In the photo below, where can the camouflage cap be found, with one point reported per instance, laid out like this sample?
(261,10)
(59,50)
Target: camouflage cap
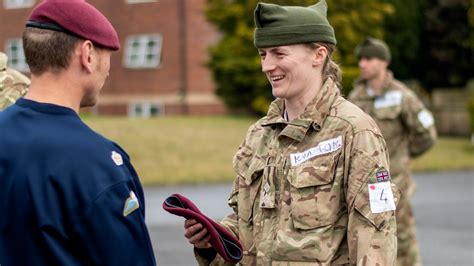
(284,25)
(75,17)
(372,47)
(3,61)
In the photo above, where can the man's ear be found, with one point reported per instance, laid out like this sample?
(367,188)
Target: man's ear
(86,49)
(320,55)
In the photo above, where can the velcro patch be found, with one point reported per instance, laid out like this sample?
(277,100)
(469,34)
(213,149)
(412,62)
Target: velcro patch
(425,118)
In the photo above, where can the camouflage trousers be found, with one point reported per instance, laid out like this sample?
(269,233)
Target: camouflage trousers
(408,253)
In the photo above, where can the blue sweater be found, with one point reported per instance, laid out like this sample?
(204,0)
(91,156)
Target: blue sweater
(68,196)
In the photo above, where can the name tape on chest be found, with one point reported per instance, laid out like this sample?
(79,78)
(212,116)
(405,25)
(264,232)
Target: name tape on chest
(391,98)
(425,118)
(323,147)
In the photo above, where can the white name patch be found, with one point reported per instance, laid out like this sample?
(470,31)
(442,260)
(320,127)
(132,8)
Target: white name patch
(425,118)
(391,98)
(381,197)
(323,147)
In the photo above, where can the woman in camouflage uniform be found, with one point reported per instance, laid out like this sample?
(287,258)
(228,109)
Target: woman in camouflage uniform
(313,183)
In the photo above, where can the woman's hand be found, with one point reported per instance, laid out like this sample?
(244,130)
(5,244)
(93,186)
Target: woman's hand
(196,234)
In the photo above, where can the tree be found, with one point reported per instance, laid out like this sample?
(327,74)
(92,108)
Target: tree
(235,62)
(353,21)
(403,37)
(447,48)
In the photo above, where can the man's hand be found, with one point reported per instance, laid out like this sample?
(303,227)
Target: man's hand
(196,234)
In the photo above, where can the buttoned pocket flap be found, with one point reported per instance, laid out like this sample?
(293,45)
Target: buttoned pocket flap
(249,188)
(315,172)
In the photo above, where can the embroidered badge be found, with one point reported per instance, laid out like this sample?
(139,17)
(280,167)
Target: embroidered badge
(131,204)
(382,175)
(117,158)
(323,147)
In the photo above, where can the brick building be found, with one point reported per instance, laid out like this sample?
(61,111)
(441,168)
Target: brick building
(160,68)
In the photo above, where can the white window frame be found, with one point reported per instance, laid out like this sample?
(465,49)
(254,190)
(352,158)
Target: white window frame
(12,4)
(16,55)
(140,1)
(139,54)
(146,109)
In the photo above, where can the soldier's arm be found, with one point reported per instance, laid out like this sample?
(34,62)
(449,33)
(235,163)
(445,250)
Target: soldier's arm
(371,231)
(210,256)
(354,93)
(419,122)
(108,235)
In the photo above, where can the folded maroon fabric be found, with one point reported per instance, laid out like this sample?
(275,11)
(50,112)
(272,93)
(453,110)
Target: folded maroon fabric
(222,241)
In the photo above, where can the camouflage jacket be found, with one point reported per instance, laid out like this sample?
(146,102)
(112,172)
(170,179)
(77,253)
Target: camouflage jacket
(13,85)
(301,195)
(407,126)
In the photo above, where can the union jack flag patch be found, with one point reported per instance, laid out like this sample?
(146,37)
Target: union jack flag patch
(382,175)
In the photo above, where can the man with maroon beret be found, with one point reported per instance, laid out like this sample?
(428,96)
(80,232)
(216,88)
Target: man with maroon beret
(68,195)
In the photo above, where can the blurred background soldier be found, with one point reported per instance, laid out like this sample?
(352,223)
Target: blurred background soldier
(13,84)
(407,126)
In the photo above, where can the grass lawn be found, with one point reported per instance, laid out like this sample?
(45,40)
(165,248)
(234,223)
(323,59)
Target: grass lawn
(174,150)
(448,153)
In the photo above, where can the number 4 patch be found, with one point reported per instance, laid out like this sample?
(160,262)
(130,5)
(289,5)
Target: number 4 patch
(381,197)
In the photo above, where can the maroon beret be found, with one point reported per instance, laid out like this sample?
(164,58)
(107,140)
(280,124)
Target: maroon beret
(222,241)
(75,17)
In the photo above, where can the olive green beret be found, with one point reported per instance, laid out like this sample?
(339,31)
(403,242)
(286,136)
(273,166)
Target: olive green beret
(284,25)
(3,61)
(372,47)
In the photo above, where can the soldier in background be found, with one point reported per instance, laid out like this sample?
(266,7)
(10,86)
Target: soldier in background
(312,184)
(13,84)
(407,126)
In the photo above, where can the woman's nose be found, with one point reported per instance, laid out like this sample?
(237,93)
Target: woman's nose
(267,64)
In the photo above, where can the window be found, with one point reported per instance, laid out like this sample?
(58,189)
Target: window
(10,4)
(145,109)
(140,1)
(143,51)
(16,57)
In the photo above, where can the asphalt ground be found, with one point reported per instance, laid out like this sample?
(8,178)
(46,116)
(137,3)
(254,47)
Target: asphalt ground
(443,206)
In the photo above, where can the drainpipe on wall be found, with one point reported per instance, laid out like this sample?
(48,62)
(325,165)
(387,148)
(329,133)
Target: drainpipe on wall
(184,56)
